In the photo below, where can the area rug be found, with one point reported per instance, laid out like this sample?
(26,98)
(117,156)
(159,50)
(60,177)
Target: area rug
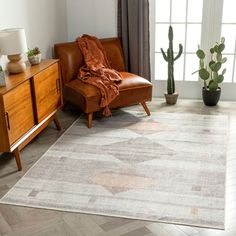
(169,167)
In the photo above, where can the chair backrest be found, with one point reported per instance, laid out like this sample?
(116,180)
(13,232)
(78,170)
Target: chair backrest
(71,58)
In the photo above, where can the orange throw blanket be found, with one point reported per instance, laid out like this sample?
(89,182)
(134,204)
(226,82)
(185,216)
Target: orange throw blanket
(97,71)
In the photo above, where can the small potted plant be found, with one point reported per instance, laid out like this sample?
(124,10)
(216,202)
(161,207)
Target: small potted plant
(210,72)
(171,96)
(34,56)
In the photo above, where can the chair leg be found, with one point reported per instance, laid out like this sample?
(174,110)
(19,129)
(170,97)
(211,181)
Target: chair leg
(65,105)
(90,118)
(145,108)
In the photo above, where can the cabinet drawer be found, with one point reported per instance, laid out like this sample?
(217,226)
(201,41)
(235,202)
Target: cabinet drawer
(18,111)
(47,91)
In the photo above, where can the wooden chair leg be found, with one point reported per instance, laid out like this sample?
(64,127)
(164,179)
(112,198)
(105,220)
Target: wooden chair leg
(57,123)
(90,118)
(145,108)
(65,105)
(17,157)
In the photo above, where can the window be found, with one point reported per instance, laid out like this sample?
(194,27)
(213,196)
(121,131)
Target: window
(194,22)
(229,32)
(185,16)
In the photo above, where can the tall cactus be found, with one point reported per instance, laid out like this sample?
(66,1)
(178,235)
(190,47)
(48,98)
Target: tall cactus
(169,57)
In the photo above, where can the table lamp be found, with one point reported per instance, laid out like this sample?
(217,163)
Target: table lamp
(13,44)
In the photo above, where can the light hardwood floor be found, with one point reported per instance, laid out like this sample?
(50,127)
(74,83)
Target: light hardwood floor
(36,222)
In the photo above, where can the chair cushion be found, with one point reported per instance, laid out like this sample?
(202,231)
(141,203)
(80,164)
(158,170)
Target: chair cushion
(86,90)
(132,81)
(133,89)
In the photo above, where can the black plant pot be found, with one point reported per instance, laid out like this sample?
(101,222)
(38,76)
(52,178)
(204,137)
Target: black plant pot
(211,98)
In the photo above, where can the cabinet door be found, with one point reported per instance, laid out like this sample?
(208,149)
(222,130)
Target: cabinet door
(47,91)
(18,111)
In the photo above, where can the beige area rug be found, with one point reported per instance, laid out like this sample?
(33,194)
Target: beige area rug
(169,167)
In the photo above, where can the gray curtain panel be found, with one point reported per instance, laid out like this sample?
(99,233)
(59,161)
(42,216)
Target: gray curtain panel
(133,28)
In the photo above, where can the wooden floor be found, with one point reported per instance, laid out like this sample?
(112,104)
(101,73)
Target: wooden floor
(35,222)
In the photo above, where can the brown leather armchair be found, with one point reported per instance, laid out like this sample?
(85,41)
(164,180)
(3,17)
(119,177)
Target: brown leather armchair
(133,88)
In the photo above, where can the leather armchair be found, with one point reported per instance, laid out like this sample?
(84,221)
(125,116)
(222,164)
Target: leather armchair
(133,88)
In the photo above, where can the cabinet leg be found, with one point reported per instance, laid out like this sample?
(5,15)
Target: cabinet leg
(57,123)
(17,157)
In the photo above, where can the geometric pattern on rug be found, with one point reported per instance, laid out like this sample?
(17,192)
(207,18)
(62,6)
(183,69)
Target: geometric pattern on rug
(169,167)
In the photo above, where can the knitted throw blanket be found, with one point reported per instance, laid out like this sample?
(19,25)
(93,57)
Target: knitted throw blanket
(97,71)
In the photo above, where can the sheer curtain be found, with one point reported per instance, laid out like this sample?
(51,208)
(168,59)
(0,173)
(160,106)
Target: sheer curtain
(133,28)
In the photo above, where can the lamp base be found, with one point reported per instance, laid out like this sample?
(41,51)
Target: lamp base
(15,64)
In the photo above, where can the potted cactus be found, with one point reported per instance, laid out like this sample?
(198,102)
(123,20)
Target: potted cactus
(171,95)
(210,72)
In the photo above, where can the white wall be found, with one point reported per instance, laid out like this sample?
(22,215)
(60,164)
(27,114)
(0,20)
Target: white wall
(95,17)
(44,21)
(47,22)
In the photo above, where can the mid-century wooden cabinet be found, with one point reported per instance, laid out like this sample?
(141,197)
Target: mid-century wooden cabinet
(28,103)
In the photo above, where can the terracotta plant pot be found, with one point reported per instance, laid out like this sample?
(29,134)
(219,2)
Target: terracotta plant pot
(171,99)
(211,98)
(34,60)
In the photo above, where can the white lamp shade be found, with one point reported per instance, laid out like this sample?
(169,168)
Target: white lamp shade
(12,41)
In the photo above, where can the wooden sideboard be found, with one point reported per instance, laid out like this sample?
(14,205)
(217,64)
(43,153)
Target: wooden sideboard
(28,103)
